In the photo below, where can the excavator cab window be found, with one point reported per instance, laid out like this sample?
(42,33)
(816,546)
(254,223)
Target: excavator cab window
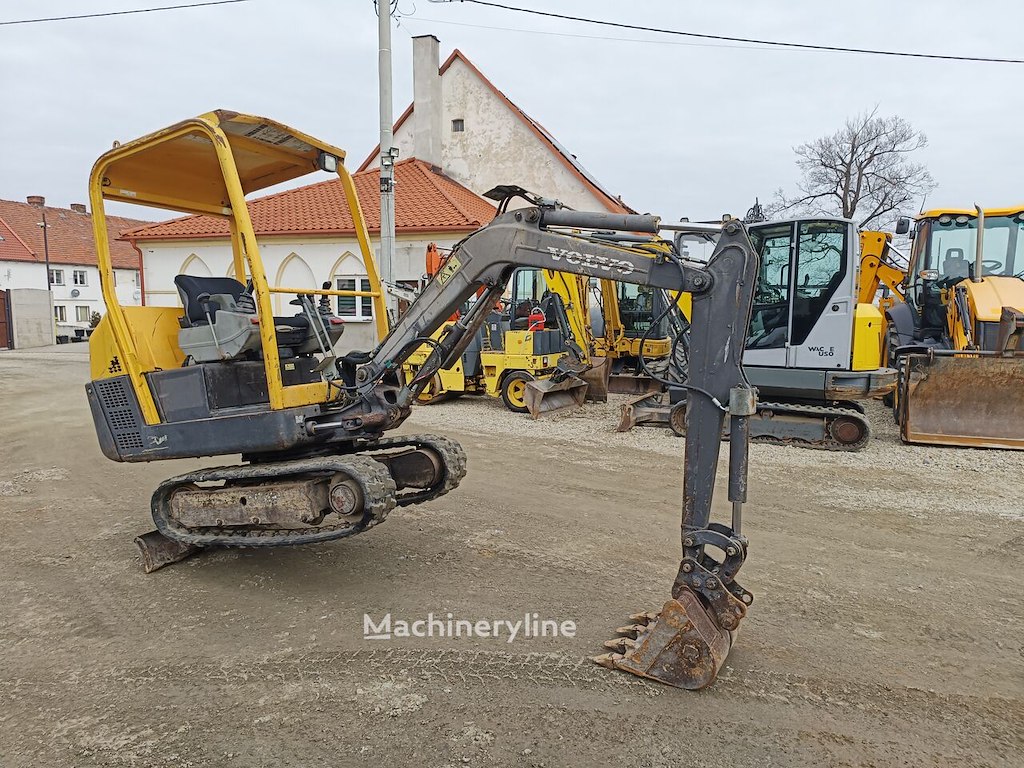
(527,294)
(802,265)
(769,321)
(638,308)
(820,268)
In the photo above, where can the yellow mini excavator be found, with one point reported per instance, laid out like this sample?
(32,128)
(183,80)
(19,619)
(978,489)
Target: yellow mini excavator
(956,340)
(311,426)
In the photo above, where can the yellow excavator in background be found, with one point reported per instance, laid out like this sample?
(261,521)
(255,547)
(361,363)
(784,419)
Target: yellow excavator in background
(539,350)
(956,339)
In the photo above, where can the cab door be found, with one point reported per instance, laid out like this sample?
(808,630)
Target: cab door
(802,315)
(768,338)
(823,297)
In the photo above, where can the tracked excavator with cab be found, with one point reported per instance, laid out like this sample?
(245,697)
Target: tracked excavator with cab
(311,426)
(813,349)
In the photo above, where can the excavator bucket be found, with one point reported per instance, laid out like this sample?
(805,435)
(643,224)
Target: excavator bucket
(547,396)
(682,647)
(597,377)
(968,401)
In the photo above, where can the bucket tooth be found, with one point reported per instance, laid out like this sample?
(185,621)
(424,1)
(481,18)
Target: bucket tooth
(631,630)
(684,648)
(607,660)
(620,644)
(644,618)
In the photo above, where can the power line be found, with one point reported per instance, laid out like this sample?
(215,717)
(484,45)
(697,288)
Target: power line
(121,13)
(726,38)
(646,41)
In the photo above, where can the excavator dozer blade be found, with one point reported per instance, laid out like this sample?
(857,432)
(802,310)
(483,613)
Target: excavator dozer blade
(545,396)
(157,550)
(683,647)
(597,379)
(646,409)
(968,401)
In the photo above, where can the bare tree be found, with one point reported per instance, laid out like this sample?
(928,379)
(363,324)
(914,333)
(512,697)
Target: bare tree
(862,172)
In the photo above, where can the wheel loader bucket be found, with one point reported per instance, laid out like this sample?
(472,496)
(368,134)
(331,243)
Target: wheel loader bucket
(970,401)
(545,396)
(597,379)
(682,647)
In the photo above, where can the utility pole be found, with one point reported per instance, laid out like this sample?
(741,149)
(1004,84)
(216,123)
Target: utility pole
(46,258)
(388,154)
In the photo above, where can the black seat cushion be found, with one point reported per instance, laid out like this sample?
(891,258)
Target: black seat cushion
(191,287)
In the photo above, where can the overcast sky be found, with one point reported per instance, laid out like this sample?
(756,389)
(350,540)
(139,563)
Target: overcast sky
(675,127)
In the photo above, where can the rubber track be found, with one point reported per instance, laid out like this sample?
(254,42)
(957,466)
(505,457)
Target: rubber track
(378,488)
(453,459)
(373,478)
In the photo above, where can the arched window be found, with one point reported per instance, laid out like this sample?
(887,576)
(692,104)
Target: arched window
(293,273)
(349,274)
(195,266)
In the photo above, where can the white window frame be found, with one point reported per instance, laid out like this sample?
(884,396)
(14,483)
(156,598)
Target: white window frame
(60,313)
(84,274)
(56,276)
(78,315)
(363,304)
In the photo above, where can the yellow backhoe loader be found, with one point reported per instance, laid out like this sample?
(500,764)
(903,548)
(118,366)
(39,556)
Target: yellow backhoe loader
(956,340)
(311,426)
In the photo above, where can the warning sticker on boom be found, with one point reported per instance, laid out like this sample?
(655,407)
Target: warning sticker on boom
(449,269)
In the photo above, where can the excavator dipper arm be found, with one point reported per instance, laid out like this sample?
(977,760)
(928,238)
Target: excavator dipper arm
(687,644)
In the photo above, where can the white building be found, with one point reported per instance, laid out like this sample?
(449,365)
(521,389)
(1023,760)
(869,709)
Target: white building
(307,237)
(460,122)
(74,276)
(459,138)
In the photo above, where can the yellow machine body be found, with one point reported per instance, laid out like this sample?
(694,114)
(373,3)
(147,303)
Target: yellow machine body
(868,327)
(207,165)
(963,387)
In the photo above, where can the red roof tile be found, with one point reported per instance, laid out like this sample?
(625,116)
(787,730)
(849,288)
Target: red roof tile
(425,201)
(69,234)
(610,201)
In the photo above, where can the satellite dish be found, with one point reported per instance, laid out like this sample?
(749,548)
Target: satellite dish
(75,293)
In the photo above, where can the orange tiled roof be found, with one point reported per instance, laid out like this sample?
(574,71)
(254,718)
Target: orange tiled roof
(69,234)
(425,201)
(610,201)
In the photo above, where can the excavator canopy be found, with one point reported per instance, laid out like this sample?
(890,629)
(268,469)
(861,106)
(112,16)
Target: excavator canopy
(176,167)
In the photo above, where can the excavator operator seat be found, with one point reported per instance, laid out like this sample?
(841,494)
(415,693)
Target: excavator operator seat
(954,265)
(214,327)
(223,294)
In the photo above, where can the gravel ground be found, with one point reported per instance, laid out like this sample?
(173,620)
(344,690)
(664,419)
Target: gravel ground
(968,480)
(887,629)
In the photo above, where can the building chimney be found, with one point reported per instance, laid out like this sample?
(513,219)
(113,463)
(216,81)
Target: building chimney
(426,99)
(78,208)
(37,200)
